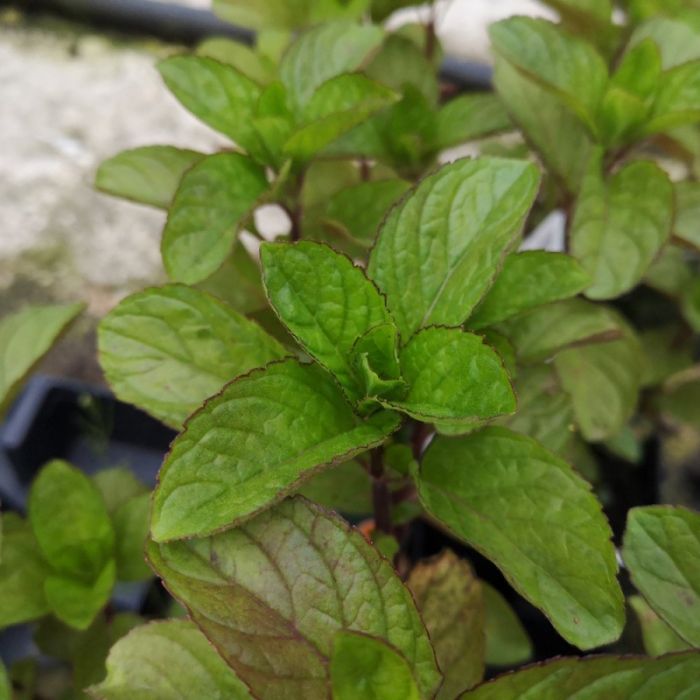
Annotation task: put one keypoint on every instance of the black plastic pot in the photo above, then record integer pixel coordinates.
(64, 419)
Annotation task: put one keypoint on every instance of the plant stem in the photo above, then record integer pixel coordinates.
(381, 496)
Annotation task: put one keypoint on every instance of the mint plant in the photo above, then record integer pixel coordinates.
(394, 358)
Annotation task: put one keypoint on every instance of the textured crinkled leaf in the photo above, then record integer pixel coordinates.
(286, 14)
(438, 251)
(22, 573)
(272, 594)
(558, 136)
(360, 208)
(536, 519)
(165, 661)
(346, 488)
(75, 600)
(453, 375)
(677, 38)
(325, 300)
(367, 667)
(336, 107)
(148, 175)
(545, 412)
(213, 198)
(662, 552)
(603, 381)
(253, 443)
(70, 521)
(507, 642)
(542, 332)
(569, 67)
(686, 225)
(117, 486)
(215, 92)
(168, 348)
(598, 678)
(620, 225)
(527, 280)
(451, 603)
(130, 532)
(657, 636)
(322, 53)
(25, 337)
(677, 100)
(469, 117)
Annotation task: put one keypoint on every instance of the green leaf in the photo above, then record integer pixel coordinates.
(25, 337)
(507, 642)
(209, 206)
(469, 117)
(360, 208)
(376, 360)
(264, 435)
(543, 332)
(677, 99)
(453, 376)
(674, 676)
(563, 142)
(286, 14)
(322, 53)
(667, 351)
(536, 519)
(75, 600)
(246, 295)
(117, 486)
(677, 38)
(545, 412)
(678, 402)
(217, 93)
(401, 62)
(662, 552)
(639, 70)
(367, 667)
(657, 636)
(325, 301)
(567, 66)
(670, 272)
(93, 645)
(169, 348)
(131, 523)
(148, 175)
(603, 381)
(22, 573)
(70, 521)
(345, 488)
(337, 106)
(595, 11)
(685, 225)
(272, 594)
(451, 603)
(527, 280)
(5, 686)
(620, 225)
(163, 660)
(438, 251)
(244, 59)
